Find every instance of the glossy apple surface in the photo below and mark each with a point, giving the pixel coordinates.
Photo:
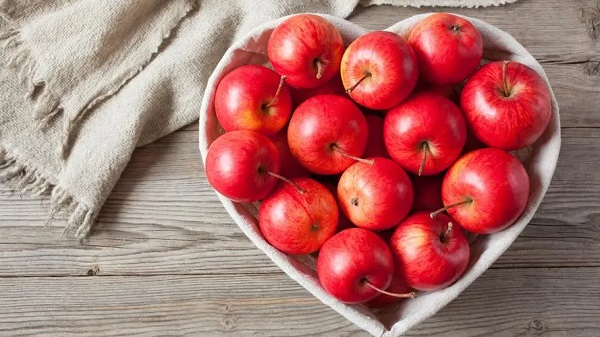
(375, 196)
(425, 134)
(307, 49)
(507, 105)
(289, 168)
(433, 253)
(238, 165)
(247, 98)
(379, 70)
(493, 187)
(345, 265)
(298, 221)
(323, 129)
(448, 48)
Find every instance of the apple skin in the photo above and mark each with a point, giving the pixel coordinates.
(425, 118)
(344, 265)
(448, 48)
(428, 193)
(375, 196)
(507, 120)
(332, 87)
(398, 286)
(391, 65)
(298, 223)
(237, 164)
(243, 96)
(447, 90)
(496, 182)
(289, 168)
(321, 124)
(430, 258)
(301, 45)
(343, 221)
(375, 145)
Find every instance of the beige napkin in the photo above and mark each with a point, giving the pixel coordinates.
(85, 82)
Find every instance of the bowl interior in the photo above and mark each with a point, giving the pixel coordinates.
(539, 160)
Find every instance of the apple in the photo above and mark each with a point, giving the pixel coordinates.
(447, 90)
(485, 191)
(507, 105)
(307, 49)
(343, 221)
(379, 70)
(448, 48)
(355, 265)
(327, 134)
(433, 253)
(425, 134)
(242, 165)
(375, 144)
(428, 192)
(297, 218)
(332, 87)
(472, 143)
(290, 168)
(398, 286)
(375, 196)
(253, 97)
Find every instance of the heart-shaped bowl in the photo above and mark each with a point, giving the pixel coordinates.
(539, 160)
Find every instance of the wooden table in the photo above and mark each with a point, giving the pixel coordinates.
(165, 258)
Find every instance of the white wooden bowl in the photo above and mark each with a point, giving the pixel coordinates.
(539, 160)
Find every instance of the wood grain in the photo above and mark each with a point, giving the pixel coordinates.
(166, 259)
(163, 211)
(519, 302)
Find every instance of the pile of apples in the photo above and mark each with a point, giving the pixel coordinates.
(381, 156)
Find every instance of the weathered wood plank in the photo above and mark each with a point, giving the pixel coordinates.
(518, 302)
(557, 32)
(163, 218)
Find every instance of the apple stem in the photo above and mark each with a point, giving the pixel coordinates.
(276, 98)
(448, 229)
(425, 149)
(280, 177)
(411, 294)
(349, 90)
(445, 208)
(346, 154)
(504, 83)
(320, 68)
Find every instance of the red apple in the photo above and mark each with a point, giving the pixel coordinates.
(448, 48)
(241, 165)
(447, 90)
(253, 97)
(379, 70)
(290, 168)
(343, 221)
(298, 217)
(433, 253)
(486, 190)
(332, 87)
(425, 134)
(375, 196)
(507, 105)
(327, 134)
(398, 286)
(307, 49)
(428, 193)
(355, 265)
(375, 144)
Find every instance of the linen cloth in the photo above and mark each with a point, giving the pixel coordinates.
(539, 160)
(85, 82)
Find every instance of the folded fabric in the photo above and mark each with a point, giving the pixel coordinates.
(85, 82)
